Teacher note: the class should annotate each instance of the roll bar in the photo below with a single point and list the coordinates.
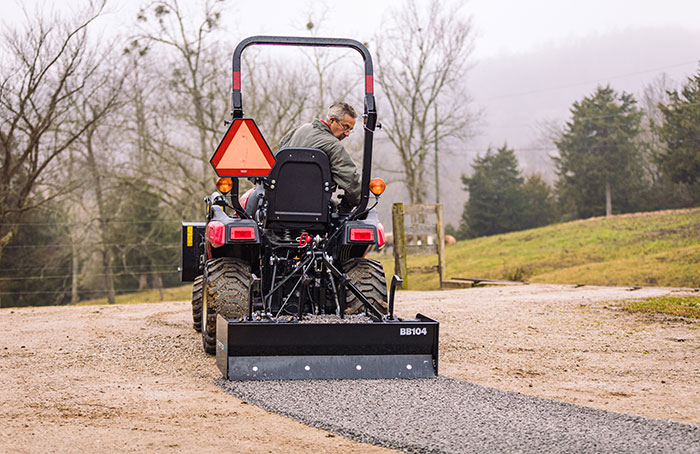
(370, 110)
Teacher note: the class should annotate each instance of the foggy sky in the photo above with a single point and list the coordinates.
(532, 59)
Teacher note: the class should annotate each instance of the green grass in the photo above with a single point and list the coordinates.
(181, 293)
(649, 249)
(688, 306)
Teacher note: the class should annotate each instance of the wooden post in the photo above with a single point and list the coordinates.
(397, 216)
(440, 243)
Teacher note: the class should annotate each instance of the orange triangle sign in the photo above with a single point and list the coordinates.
(243, 152)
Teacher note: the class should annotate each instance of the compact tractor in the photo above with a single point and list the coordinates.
(282, 286)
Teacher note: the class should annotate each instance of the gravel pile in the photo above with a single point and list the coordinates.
(331, 318)
(444, 415)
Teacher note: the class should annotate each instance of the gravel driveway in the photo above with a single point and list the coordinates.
(133, 378)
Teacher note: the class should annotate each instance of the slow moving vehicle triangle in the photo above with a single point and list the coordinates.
(243, 152)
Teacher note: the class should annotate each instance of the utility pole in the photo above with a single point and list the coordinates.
(437, 179)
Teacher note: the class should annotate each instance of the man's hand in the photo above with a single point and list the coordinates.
(344, 206)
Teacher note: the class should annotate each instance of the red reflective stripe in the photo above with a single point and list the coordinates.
(236, 80)
(215, 233)
(361, 234)
(369, 84)
(380, 235)
(242, 233)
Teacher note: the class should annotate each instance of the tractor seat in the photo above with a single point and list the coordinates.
(298, 190)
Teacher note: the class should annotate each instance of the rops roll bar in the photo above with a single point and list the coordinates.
(370, 109)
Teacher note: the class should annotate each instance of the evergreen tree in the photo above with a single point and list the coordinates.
(599, 163)
(496, 199)
(540, 203)
(680, 131)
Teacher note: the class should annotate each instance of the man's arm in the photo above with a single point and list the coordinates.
(345, 173)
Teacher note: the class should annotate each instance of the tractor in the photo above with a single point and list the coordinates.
(282, 287)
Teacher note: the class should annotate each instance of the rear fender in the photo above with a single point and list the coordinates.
(191, 250)
(228, 234)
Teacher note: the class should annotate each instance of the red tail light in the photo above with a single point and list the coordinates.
(216, 233)
(362, 235)
(242, 233)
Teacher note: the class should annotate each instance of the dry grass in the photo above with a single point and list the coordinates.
(181, 293)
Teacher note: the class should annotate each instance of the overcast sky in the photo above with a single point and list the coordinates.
(533, 58)
(504, 26)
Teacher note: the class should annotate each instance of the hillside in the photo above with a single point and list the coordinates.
(646, 249)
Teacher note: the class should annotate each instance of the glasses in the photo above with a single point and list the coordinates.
(347, 129)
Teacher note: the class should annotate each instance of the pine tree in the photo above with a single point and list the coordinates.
(599, 164)
(496, 199)
(540, 203)
(680, 131)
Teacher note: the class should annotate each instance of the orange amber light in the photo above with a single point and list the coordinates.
(224, 185)
(377, 186)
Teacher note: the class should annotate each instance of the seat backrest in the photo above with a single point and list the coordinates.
(298, 190)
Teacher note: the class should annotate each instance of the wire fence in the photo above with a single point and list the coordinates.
(81, 223)
(130, 267)
(65, 276)
(83, 244)
(81, 292)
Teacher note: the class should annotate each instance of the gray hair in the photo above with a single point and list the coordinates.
(339, 109)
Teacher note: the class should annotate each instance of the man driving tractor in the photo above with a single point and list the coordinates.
(327, 135)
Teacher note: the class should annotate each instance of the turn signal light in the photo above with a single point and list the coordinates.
(377, 186)
(224, 185)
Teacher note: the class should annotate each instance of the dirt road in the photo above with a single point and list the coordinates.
(133, 378)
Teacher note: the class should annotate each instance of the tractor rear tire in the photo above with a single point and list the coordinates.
(197, 297)
(368, 276)
(225, 293)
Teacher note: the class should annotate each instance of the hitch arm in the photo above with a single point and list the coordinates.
(253, 280)
(345, 283)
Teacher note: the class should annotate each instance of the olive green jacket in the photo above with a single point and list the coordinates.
(318, 135)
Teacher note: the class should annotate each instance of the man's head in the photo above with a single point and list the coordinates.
(341, 119)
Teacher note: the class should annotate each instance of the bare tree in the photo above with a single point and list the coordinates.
(422, 61)
(193, 89)
(330, 67)
(92, 108)
(654, 94)
(47, 62)
(278, 96)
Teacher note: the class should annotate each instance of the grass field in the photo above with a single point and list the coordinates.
(646, 249)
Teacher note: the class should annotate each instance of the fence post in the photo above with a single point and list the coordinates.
(397, 217)
(440, 242)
